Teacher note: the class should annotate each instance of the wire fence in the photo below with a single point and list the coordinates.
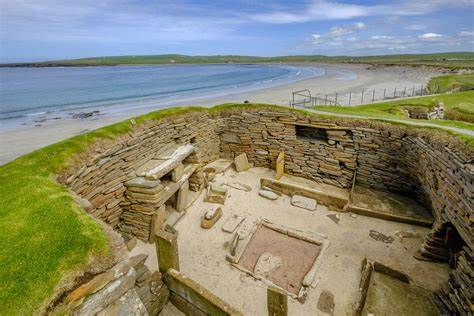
(304, 98)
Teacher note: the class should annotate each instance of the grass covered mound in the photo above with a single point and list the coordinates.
(44, 234)
(451, 83)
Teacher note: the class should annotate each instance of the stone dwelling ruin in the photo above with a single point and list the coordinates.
(250, 210)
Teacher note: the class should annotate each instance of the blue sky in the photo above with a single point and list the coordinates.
(58, 29)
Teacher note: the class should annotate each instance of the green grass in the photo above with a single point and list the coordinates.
(44, 233)
(458, 60)
(451, 83)
(395, 109)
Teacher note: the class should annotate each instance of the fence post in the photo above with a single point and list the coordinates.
(413, 93)
(335, 103)
(404, 91)
(373, 95)
(350, 97)
(326, 99)
(362, 97)
(395, 92)
(384, 90)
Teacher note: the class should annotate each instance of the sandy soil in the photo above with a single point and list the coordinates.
(16, 142)
(202, 252)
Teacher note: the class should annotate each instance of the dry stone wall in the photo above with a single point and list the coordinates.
(379, 155)
(104, 172)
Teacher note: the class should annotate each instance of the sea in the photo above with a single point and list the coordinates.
(35, 95)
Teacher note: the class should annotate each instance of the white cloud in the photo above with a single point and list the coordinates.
(381, 37)
(415, 27)
(430, 37)
(466, 33)
(359, 25)
(320, 10)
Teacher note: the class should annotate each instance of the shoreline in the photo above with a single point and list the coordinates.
(17, 142)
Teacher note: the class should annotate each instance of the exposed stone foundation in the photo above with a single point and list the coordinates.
(378, 155)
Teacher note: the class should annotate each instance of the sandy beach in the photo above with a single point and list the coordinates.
(339, 78)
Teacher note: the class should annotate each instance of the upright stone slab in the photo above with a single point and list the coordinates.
(183, 197)
(166, 242)
(280, 166)
(241, 163)
(177, 172)
(158, 220)
(277, 302)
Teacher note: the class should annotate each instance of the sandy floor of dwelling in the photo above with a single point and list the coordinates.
(202, 252)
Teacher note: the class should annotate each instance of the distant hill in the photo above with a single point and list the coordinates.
(447, 60)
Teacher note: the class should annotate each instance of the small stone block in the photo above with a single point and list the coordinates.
(211, 216)
(268, 194)
(231, 223)
(177, 172)
(245, 229)
(303, 202)
(241, 163)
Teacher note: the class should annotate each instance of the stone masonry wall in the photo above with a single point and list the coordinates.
(379, 155)
(101, 178)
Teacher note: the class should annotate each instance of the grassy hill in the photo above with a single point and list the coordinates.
(447, 60)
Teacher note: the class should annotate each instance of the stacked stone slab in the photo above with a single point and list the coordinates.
(420, 164)
(456, 297)
(128, 288)
(142, 197)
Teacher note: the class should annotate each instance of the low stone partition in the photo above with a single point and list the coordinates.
(193, 299)
(425, 165)
(128, 288)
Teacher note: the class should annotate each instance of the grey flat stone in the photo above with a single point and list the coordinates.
(303, 202)
(231, 223)
(268, 194)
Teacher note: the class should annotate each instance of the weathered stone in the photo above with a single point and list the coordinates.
(231, 223)
(334, 217)
(183, 197)
(97, 283)
(277, 302)
(128, 304)
(167, 249)
(241, 163)
(239, 186)
(245, 228)
(266, 264)
(268, 194)
(216, 194)
(326, 302)
(303, 202)
(280, 166)
(101, 299)
(211, 216)
(141, 182)
(177, 172)
(131, 244)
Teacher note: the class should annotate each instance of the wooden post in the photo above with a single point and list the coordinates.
(413, 93)
(362, 97)
(373, 95)
(395, 92)
(166, 243)
(277, 302)
(350, 97)
(326, 99)
(384, 90)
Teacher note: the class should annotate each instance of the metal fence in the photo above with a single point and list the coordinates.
(304, 98)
